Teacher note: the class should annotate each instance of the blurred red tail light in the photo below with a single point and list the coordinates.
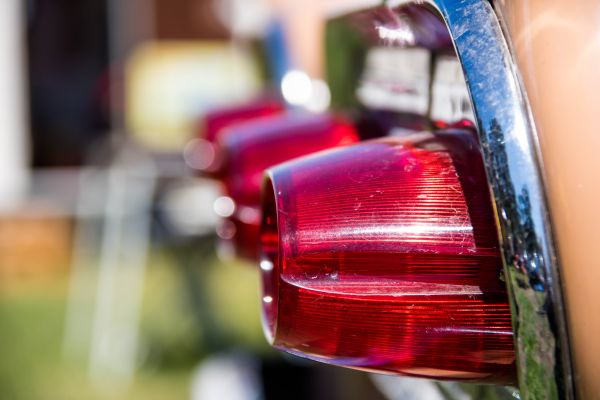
(220, 118)
(250, 148)
(383, 256)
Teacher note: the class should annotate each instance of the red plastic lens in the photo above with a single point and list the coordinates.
(383, 256)
(220, 118)
(252, 147)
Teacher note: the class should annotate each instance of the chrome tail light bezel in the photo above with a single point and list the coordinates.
(513, 164)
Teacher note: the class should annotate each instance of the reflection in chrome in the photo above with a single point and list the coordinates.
(509, 145)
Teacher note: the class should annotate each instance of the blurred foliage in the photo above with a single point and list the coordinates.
(346, 50)
(31, 322)
(173, 330)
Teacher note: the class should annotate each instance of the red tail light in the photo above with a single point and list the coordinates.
(383, 256)
(250, 148)
(224, 117)
(218, 119)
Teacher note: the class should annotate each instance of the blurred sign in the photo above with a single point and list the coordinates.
(396, 79)
(170, 84)
(451, 101)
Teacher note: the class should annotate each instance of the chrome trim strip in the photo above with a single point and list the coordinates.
(509, 144)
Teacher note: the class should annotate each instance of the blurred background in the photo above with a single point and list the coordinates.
(112, 283)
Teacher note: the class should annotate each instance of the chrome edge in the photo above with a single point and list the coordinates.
(510, 150)
(509, 144)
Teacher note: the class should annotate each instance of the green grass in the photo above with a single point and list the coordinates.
(174, 331)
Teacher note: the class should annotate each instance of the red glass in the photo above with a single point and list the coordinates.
(383, 256)
(218, 119)
(250, 148)
(461, 124)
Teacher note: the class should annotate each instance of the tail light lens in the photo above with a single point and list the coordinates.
(383, 256)
(250, 148)
(218, 119)
(224, 117)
